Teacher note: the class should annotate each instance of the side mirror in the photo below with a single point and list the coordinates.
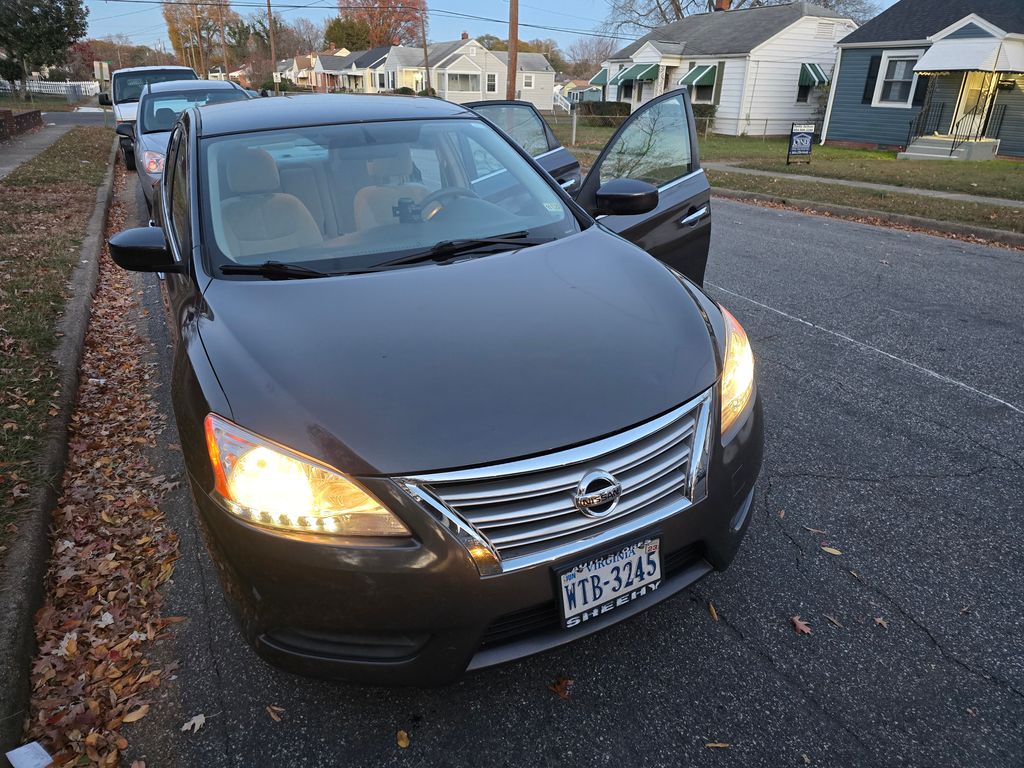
(125, 129)
(143, 249)
(105, 100)
(264, 92)
(626, 197)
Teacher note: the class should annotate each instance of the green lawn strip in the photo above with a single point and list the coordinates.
(991, 216)
(45, 205)
(43, 101)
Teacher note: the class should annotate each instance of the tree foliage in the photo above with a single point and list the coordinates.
(38, 33)
(194, 32)
(546, 46)
(351, 33)
(397, 22)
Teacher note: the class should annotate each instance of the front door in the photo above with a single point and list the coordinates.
(972, 109)
(658, 144)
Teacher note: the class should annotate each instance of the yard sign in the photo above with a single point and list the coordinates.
(801, 138)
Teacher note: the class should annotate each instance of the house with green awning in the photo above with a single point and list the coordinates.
(762, 67)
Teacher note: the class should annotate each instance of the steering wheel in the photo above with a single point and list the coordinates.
(431, 205)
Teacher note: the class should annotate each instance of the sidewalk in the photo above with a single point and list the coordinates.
(954, 196)
(21, 148)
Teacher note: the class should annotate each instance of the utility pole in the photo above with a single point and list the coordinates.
(273, 48)
(223, 42)
(423, 39)
(513, 48)
(199, 42)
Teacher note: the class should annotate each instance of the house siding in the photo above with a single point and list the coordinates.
(853, 121)
(966, 32)
(945, 90)
(1011, 135)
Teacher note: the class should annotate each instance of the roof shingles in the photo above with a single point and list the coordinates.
(919, 19)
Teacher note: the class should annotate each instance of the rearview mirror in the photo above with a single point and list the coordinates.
(626, 197)
(143, 249)
(105, 100)
(125, 129)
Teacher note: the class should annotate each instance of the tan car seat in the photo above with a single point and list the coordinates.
(374, 205)
(259, 219)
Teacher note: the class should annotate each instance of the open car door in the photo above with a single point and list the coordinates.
(658, 144)
(522, 123)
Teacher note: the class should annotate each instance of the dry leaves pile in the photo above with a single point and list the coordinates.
(111, 547)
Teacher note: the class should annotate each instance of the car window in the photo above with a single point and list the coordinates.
(179, 197)
(344, 197)
(653, 147)
(128, 85)
(159, 111)
(520, 122)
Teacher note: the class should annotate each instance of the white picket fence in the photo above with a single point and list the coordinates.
(77, 88)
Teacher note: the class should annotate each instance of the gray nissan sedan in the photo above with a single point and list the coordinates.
(436, 413)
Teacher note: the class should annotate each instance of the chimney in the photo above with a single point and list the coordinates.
(465, 35)
(333, 47)
(395, 41)
(722, 5)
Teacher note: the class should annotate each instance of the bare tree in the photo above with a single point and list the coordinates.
(309, 33)
(585, 54)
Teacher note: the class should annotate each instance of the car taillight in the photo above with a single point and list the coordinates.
(153, 162)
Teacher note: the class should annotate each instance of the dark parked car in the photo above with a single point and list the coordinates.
(159, 107)
(434, 415)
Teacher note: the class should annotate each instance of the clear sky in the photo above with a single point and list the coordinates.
(144, 24)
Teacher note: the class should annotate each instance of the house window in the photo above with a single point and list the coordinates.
(527, 81)
(492, 83)
(380, 81)
(803, 92)
(896, 79)
(703, 94)
(463, 82)
(472, 50)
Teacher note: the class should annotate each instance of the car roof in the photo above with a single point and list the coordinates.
(154, 69)
(322, 109)
(191, 85)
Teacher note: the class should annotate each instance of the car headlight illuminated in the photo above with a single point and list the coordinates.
(153, 162)
(738, 372)
(267, 484)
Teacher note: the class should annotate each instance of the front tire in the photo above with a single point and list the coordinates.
(129, 159)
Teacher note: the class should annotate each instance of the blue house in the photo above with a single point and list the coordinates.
(936, 78)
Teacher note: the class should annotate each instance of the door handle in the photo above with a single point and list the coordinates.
(694, 217)
(567, 184)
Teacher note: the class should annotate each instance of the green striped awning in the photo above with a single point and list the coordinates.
(648, 73)
(702, 74)
(629, 73)
(601, 78)
(812, 75)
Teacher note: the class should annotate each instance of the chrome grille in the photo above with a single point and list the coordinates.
(524, 509)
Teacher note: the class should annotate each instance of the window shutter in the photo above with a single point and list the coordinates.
(921, 90)
(720, 72)
(869, 85)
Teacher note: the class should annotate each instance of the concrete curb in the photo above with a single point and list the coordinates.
(1003, 237)
(21, 578)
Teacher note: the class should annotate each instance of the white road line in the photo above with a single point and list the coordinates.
(862, 345)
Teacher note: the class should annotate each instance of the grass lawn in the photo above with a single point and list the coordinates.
(44, 102)
(45, 205)
(994, 216)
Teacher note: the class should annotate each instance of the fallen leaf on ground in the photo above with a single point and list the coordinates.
(712, 611)
(275, 712)
(403, 739)
(807, 760)
(561, 687)
(834, 620)
(136, 714)
(138, 764)
(717, 745)
(782, 513)
(830, 550)
(972, 711)
(815, 530)
(881, 622)
(800, 626)
(194, 724)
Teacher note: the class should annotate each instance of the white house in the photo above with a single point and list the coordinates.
(763, 67)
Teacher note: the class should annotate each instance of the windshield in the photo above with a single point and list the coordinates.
(348, 197)
(159, 111)
(128, 85)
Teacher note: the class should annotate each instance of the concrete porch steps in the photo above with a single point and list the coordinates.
(937, 147)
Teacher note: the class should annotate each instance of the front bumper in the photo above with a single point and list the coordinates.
(420, 613)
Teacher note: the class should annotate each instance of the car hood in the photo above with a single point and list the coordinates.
(126, 111)
(438, 367)
(154, 142)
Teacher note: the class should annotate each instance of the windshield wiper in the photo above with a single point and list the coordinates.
(272, 270)
(447, 248)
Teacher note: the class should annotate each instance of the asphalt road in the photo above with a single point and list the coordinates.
(79, 118)
(892, 370)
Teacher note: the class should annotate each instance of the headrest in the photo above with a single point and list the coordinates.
(250, 171)
(164, 119)
(396, 162)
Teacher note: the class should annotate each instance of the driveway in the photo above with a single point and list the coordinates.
(892, 370)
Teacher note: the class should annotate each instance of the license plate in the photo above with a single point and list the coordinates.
(597, 586)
